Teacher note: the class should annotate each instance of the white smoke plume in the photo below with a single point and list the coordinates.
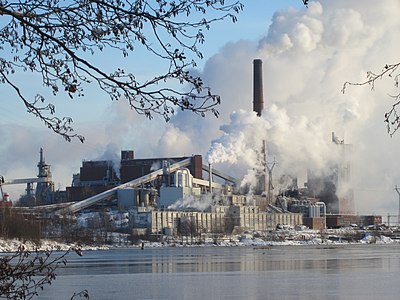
(307, 54)
(190, 202)
(241, 139)
(111, 154)
(156, 166)
(295, 143)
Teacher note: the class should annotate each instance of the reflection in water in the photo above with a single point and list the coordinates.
(202, 259)
(267, 260)
(290, 272)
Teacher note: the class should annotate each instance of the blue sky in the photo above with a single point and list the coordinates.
(307, 52)
(252, 24)
(26, 132)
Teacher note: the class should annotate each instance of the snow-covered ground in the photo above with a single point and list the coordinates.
(253, 239)
(345, 236)
(45, 245)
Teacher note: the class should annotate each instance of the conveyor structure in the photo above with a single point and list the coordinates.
(220, 174)
(73, 208)
(25, 180)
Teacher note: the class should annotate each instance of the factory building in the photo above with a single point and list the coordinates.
(98, 176)
(222, 219)
(132, 168)
(94, 177)
(337, 221)
(168, 195)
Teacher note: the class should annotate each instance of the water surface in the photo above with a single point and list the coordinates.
(284, 272)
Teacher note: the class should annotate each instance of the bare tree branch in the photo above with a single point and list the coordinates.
(392, 117)
(24, 273)
(56, 39)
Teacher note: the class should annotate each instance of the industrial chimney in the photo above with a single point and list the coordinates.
(258, 94)
(210, 177)
(258, 106)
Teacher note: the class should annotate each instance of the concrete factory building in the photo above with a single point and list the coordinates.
(223, 219)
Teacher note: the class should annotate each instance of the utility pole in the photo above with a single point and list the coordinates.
(398, 214)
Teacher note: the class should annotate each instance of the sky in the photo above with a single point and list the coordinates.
(307, 53)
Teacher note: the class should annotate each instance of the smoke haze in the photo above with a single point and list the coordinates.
(307, 56)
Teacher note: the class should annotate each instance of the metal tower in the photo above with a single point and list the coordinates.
(43, 172)
(398, 193)
(270, 168)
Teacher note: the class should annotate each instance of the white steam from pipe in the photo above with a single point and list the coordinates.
(190, 202)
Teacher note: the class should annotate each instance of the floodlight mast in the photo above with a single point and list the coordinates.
(397, 189)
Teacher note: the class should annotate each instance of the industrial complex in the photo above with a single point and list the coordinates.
(182, 195)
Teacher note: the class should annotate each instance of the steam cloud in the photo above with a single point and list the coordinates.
(191, 202)
(307, 55)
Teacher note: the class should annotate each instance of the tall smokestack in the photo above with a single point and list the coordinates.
(258, 106)
(258, 94)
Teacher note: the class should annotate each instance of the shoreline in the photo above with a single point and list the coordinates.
(328, 238)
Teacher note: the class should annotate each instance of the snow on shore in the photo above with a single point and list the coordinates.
(45, 245)
(253, 239)
(282, 238)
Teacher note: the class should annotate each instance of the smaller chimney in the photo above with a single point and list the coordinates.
(210, 177)
(258, 93)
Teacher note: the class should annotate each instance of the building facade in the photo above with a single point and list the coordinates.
(221, 219)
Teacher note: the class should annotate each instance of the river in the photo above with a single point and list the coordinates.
(282, 272)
